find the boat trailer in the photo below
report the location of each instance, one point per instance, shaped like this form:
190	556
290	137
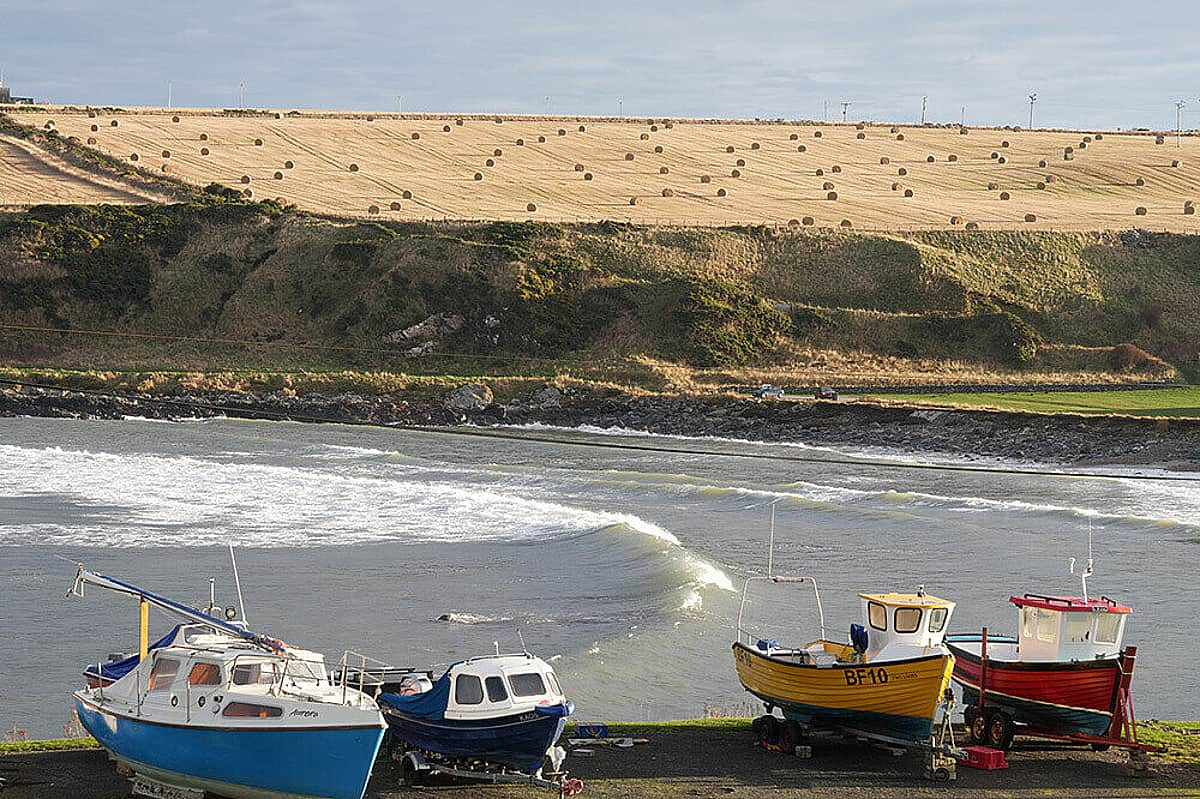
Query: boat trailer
417	765
993	727
942	755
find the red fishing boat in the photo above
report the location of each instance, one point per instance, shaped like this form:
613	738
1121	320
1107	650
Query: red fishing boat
1064	675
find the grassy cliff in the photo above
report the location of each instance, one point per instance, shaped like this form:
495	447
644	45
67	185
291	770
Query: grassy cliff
221	284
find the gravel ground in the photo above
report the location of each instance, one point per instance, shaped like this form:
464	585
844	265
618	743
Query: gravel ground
708	763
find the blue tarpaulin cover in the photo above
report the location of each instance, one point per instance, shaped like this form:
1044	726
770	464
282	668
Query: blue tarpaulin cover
429	705
117	669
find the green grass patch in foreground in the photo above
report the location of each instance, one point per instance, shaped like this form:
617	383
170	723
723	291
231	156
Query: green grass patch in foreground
1179	401
1182	739
53	745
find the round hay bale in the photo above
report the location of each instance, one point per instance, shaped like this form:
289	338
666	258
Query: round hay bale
354	167
416	136
458	122
721	192
134	157
929	159
530	207
820	172
1189	203
587	175
972	226
248	193
995	155
956	220
49	124
1051	179
658	148
793	136
175	120
729	149
1140	182
203	137
395	206
116	123
1068	150
1041	186
520	142
445	128
793	223
1140	210
827	185
735	173
1189	210
1004	143
499	120
1087	139
668	193
894	129
91	114
897	186
831	195
406	195
816	134
740	162
662	170
1002	160
908	192
479	176
289	165
860	126
1068	157
579	167
95	128
668	124
562	132
372	209
245	179
165	167
166	153
901	171
846	223
91	140
885	160
706	179
644	137
490	162
754	145
370	119
952	157
1005	195
258	142
808	220
654	128
497	152
203	151
1175	163
860	136
628	156
1042	163
1030	217
801	148
279	176
899	137
278	115
993	186
1099	136
633	200
835	168
1082	145
583	128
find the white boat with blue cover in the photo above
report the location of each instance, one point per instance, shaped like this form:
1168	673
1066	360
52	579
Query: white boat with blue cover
213	707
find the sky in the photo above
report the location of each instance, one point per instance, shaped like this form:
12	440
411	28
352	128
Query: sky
1092	63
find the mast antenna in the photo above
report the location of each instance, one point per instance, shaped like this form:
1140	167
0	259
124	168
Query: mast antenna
771	541
237	582
1086	572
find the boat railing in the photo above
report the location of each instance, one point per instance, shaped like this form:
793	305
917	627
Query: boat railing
348	658
748	637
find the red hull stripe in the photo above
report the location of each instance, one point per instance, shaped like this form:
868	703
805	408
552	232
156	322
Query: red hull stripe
1090	685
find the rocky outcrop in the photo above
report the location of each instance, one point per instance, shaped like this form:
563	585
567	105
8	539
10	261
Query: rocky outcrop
474	397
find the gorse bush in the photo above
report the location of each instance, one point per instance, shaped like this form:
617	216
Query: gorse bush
1127	357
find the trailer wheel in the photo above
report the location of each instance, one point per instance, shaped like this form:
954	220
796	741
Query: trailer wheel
1000	730
1100	747
409	776
790	736
976	726
941	775
766	730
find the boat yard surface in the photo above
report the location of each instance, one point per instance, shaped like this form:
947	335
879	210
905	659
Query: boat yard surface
703	760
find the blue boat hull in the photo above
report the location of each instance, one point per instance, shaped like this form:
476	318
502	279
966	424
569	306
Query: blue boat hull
325	763
518	741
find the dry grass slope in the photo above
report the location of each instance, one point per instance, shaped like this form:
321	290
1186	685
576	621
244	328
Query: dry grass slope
472	168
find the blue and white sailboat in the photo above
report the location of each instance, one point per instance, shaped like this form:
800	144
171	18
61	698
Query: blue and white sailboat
213	707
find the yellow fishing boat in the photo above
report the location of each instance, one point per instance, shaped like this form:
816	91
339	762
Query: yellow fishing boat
888	680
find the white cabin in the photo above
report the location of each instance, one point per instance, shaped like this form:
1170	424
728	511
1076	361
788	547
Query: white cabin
1065	628
903	625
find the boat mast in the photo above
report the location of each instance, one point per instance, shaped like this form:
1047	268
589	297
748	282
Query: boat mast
1086	572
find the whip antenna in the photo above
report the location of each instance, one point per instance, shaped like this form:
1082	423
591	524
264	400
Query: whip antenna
237	582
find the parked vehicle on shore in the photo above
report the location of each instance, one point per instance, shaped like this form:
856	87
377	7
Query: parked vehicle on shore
768	391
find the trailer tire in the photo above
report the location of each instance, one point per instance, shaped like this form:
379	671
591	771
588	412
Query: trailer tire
766	730
409	775
790	736
1100	747
941	775
1000	730
976	726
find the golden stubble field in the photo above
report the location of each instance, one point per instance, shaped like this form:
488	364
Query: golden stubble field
873	177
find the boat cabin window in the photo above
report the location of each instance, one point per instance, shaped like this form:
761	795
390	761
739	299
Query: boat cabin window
254	674
245	710
1078	628
877	616
205	674
527	684
1107	627
908	620
495	689
937	619
468	689
1047	624
163	674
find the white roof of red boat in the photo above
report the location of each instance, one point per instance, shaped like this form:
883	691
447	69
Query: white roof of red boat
1070	604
